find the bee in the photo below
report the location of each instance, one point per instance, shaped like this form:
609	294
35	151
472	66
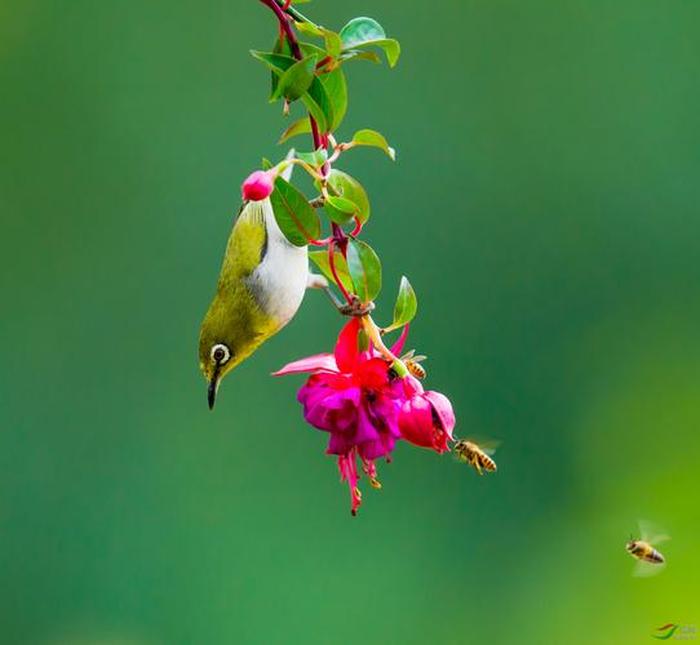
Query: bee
471	453
413	364
649	559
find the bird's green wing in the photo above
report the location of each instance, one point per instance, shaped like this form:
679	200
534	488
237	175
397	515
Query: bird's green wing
247	243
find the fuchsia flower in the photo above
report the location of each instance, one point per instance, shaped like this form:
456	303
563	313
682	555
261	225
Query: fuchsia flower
356	397
258	186
426	418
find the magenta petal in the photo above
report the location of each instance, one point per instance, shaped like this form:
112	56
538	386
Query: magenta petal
376	449
443	409
335	411
318	362
339	444
365	429
397	347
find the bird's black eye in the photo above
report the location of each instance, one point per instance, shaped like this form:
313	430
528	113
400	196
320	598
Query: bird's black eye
220	354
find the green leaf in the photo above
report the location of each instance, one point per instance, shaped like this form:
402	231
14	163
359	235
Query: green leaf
295	216
266	164
374	139
296	80
332	40
343	185
319	104
390	47
320	259
365	270
358	54
302	126
337	90
340	209
278	63
361	30
309	49
366	32
316	158
406	304
316	99
281	47
309	28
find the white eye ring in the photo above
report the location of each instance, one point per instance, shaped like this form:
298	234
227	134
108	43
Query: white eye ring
220	354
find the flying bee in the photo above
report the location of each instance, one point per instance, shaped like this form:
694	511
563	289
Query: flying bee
649	559
413	364
469	452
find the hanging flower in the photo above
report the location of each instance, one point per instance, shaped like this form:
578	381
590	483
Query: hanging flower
355	396
426	418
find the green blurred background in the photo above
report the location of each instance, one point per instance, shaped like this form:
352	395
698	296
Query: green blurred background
544	205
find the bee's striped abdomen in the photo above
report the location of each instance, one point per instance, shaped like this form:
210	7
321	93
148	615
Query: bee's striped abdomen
486	462
654	556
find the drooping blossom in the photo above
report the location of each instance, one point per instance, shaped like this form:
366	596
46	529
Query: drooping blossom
356	397
426	418
257	186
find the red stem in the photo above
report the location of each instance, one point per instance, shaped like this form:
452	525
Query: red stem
331	263
358	227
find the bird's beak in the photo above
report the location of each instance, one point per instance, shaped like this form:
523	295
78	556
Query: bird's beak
211	390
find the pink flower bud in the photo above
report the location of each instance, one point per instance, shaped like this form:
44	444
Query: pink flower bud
257	186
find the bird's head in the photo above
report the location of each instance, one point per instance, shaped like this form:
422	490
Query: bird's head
231	331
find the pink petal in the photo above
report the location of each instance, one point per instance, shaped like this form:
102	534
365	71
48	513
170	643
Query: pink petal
318	362
346	350
416	422
401	340
443	409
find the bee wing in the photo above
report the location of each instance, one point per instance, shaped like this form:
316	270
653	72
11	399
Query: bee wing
489	446
419	358
408	355
646	569
651	533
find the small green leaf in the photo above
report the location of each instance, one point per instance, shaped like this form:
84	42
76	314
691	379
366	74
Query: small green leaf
281	47
320	259
266	164
337	90
365	270
361	30
375	139
390	47
309	28
319	104
357	54
302	126
309	49
333	42
366	32
278	63
295	217
340	210
316	99
296	80
343	185
316	158
406	304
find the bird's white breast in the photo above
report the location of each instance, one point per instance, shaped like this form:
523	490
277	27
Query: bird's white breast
279	282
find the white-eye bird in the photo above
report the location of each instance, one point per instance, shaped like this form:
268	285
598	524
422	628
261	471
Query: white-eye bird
261	285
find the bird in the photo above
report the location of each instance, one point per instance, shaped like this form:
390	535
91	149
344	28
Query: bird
261	285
